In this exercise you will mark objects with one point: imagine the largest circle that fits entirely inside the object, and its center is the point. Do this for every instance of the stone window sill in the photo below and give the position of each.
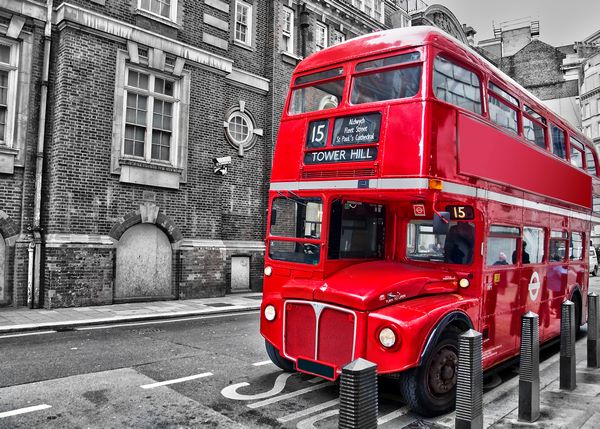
(243, 45)
(290, 58)
(7, 159)
(157, 18)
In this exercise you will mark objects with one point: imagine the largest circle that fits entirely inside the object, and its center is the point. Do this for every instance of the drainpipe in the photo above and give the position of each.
(30, 250)
(34, 274)
(304, 24)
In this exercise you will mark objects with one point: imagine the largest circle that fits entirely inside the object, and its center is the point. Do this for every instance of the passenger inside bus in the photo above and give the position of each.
(458, 248)
(501, 259)
(525, 256)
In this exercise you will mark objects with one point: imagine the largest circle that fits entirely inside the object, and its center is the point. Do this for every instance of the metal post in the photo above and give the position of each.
(469, 385)
(593, 346)
(358, 395)
(567, 346)
(529, 370)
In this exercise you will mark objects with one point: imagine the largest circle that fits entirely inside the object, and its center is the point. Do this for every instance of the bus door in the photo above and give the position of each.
(557, 273)
(501, 294)
(533, 290)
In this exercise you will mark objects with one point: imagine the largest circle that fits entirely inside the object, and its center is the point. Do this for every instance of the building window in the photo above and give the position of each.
(378, 11)
(8, 90)
(373, 8)
(240, 128)
(163, 8)
(288, 30)
(320, 36)
(243, 22)
(338, 37)
(587, 110)
(149, 116)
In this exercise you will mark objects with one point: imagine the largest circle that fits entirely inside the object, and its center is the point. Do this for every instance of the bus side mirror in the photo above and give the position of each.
(273, 216)
(441, 223)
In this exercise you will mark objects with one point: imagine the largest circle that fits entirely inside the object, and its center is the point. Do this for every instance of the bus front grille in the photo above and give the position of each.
(319, 331)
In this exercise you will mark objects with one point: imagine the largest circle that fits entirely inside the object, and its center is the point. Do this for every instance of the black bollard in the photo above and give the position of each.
(593, 346)
(469, 384)
(568, 379)
(529, 369)
(359, 405)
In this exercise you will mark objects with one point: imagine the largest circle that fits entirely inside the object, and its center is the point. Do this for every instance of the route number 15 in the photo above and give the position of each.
(317, 133)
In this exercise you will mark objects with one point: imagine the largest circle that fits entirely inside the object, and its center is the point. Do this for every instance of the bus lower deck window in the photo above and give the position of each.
(456, 247)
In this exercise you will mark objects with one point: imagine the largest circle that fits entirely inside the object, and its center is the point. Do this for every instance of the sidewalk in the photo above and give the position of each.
(23, 319)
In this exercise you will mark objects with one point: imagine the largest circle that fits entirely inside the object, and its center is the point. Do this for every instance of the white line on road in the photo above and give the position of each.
(177, 380)
(155, 322)
(26, 334)
(264, 362)
(308, 411)
(289, 395)
(230, 392)
(310, 423)
(391, 416)
(24, 410)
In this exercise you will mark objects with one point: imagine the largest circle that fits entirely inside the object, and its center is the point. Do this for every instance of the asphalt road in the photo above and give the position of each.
(205, 372)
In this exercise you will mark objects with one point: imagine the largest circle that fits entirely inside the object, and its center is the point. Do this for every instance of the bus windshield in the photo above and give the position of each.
(356, 230)
(296, 219)
(456, 247)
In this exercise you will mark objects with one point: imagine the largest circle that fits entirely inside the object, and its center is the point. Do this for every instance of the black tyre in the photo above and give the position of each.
(283, 363)
(430, 389)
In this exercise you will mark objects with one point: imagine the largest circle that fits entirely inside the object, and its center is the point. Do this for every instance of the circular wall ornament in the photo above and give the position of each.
(240, 128)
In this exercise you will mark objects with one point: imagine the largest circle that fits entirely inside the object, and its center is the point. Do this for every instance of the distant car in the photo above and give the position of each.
(593, 262)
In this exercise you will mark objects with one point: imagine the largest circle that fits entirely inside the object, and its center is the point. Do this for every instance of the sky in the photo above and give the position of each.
(561, 22)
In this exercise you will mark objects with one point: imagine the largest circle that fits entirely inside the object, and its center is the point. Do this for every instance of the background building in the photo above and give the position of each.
(113, 117)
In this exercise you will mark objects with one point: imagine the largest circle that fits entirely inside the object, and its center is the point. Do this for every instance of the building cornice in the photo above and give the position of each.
(68, 13)
(25, 8)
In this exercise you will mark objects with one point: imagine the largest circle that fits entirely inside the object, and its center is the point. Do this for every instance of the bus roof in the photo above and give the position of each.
(398, 38)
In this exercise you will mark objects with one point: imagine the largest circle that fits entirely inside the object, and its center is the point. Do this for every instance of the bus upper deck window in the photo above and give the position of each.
(325, 93)
(456, 85)
(590, 161)
(559, 147)
(387, 84)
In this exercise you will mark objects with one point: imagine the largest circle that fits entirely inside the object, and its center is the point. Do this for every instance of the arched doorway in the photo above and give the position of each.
(144, 260)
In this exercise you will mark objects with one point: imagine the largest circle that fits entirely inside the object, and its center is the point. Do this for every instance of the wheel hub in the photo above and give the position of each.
(442, 371)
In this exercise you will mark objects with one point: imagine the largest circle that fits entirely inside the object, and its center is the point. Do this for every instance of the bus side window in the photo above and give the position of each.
(533, 245)
(590, 162)
(558, 246)
(558, 145)
(456, 85)
(576, 247)
(502, 245)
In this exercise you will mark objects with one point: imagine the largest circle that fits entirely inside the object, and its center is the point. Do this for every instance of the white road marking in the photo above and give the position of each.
(174, 320)
(264, 362)
(308, 411)
(230, 392)
(289, 395)
(310, 423)
(26, 334)
(177, 380)
(24, 410)
(391, 416)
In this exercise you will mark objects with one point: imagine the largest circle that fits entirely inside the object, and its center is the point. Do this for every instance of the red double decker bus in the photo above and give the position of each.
(417, 192)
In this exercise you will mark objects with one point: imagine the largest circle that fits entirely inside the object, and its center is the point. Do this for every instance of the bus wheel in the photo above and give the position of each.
(283, 363)
(430, 389)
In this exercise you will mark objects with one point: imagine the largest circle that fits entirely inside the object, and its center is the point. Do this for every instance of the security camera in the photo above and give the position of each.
(221, 162)
(221, 165)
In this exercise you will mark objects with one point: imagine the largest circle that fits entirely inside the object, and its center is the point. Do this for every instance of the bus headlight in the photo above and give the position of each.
(464, 282)
(387, 337)
(270, 313)
(268, 271)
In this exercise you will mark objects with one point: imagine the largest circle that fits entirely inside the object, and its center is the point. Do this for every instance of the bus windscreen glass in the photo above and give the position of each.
(321, 96)
(386, 85)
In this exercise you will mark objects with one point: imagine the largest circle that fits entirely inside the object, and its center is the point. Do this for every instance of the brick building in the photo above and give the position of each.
(112, 114)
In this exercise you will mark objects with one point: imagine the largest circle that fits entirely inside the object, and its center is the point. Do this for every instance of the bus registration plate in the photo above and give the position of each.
(316, 368)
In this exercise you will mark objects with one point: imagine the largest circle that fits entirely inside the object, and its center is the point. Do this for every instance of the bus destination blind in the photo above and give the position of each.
(362, 129)
(341, 155)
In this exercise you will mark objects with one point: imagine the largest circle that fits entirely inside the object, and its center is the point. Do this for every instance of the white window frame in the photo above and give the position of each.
(11, 97)
(338, 37)
(151, 97)
(288, 33)
(321, 28)
(172, 10)
(248, 24)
